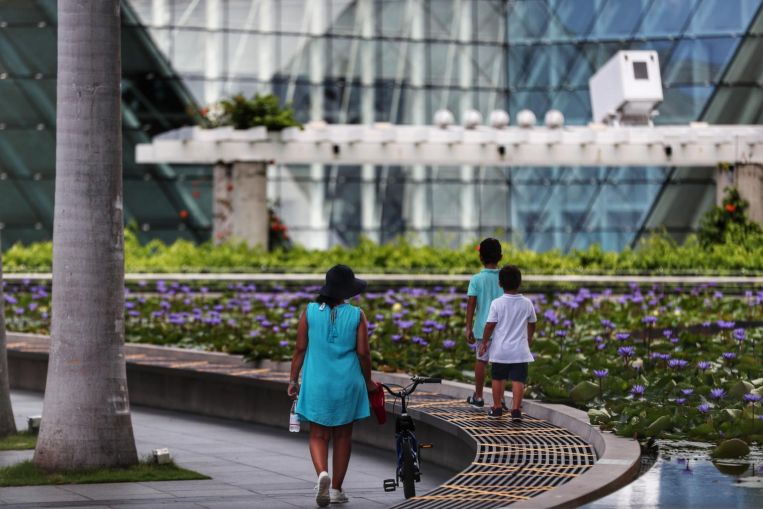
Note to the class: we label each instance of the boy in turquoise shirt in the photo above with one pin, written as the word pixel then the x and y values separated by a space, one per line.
pixel 483 288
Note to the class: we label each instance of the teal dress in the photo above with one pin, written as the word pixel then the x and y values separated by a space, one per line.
pixel 333 391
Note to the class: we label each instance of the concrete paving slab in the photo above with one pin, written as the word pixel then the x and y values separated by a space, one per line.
pixel 252 466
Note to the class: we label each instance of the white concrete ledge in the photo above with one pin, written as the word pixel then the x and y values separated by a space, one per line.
pixel 416 278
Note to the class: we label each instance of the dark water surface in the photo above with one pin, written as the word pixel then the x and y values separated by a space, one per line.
pixel 684 476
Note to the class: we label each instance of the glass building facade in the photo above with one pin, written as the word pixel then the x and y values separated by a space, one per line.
pixel 365 61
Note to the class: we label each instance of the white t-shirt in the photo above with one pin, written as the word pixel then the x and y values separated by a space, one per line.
pixel 511 313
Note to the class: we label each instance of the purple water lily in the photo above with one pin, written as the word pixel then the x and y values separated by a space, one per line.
pixel 626 351
pixel 622 336
pixel 739 334
pixel 703 408
pixel 677 363
pixel 600 373
pixel 704 365
pixel 717 393
pixel 638 390
pixel 448 344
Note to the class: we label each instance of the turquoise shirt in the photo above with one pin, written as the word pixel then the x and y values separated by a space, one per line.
pixel 484 286
pixel 333 390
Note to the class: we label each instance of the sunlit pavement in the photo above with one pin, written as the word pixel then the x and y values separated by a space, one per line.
pixel 250 466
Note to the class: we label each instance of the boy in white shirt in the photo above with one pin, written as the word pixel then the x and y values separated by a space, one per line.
pixel 511 324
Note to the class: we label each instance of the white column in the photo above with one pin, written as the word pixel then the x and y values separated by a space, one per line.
pixel 367 60
pixel 316 28
pixel 241 203
pixel 222 203
pixel 466 101
pixel 160 19
pixel 265 46
pixel 319 237
pixel 317 58
pixel 213 51
pixel 370 211
pixel 420 208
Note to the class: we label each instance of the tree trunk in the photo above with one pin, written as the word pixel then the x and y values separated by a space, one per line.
pixel 7 423
pixel 86 414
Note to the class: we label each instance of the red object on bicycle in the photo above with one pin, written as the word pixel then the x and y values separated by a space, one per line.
pixel 377 404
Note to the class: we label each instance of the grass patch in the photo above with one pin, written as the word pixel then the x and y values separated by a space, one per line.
pixel 28 474
pixel 18 441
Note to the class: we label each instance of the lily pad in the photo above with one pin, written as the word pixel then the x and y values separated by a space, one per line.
pixel 732 448
pixel 584 391
pixel 658 426
pixel 598 416
pixel 740 389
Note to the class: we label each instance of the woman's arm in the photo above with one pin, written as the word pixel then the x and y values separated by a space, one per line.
pixel 299 356
pixel 364 352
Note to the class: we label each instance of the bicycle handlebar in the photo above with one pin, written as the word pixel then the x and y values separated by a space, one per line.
pixel 416 380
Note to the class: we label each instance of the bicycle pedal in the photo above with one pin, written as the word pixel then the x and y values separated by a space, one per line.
pixel 390 485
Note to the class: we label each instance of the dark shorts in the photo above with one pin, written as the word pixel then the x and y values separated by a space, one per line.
pixel 516 372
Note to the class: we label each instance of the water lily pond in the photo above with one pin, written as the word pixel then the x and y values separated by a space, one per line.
pixel 685 476
pixel 644 361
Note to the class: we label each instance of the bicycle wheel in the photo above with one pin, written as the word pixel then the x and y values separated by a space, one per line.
pixel 407 471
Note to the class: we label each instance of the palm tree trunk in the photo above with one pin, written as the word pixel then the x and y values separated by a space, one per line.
pixel 86 414
pixel 7 423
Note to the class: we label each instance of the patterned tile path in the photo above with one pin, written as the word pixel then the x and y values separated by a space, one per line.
pixel 514 462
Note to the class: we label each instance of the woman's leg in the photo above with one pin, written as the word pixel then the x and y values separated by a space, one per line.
pixel 342 437
pixel 319 447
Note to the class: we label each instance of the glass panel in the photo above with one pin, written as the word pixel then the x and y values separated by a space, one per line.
pixel 575 17
pixel 746 67
pixel 667 17
pixel 618 18
pixel 699 60
pixel 683 104
pixel 723 16
pixel 188 14
pixel 529 20
pixel 736 105
pixel 27 51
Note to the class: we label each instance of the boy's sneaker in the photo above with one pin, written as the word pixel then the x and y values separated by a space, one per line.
pixel 338 497
pixel 322 497
pixel 504 407
pixel 495 412
pixel 516 415
pixel 475 401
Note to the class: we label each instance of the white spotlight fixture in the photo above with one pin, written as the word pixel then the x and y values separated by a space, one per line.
pixel 525 119
pixel 161 456
pixel 554 119
pixel 472 118
pixel 499 119
pixel 443 118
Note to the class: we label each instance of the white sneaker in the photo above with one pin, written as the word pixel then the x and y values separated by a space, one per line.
pixel 322 498
pixel 338 497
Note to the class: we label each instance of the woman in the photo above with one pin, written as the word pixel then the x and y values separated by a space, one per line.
pixel 332 343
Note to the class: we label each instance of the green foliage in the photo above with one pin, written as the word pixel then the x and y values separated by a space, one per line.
pixel 27 474
pixel 694 355
pixel 243 113
pixel 655 254
pixel 729 222
pixel 18 441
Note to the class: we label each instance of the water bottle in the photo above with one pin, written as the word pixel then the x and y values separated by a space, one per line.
pixel 294 418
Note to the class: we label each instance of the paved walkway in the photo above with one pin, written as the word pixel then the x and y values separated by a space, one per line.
pixel 251 467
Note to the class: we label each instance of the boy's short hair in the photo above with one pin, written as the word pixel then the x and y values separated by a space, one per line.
pixel 490 250
pixel 510 277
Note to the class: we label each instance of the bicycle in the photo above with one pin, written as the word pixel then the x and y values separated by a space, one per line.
pixel 406 446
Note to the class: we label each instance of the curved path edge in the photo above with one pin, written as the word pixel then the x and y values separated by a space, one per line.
pixel 229 378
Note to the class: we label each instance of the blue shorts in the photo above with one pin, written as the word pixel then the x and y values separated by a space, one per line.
pixel 516 372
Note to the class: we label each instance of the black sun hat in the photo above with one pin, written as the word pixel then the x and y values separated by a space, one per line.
pixel 341 283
